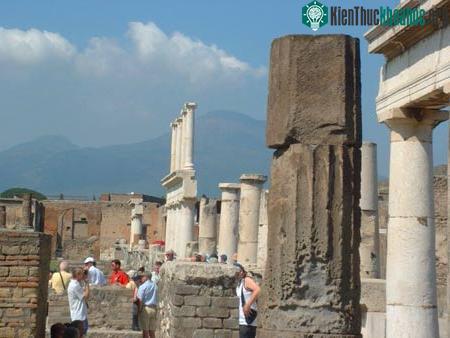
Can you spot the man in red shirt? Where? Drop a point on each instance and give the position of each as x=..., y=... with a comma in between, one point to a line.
x=117, y=277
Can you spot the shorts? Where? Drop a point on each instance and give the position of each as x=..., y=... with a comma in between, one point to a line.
x=147, y=319
x=247, y=331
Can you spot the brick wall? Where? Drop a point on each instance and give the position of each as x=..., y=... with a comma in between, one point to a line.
x=109, y=308
x=197, y=300
x=24, y=269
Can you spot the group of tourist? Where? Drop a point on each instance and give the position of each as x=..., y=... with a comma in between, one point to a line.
x=77, y=284
x=144, y=286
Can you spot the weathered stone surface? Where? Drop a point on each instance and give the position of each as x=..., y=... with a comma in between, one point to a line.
x=314, y=91
x=373, y=295
x=206, y=292
x=207, y=227
x=23, y=297
x=312, y=284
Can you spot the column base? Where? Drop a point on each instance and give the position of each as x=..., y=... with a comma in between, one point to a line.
x=269, y=333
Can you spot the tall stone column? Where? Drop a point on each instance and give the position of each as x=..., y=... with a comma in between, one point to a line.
x=369, y=249
x=27, y=221
x=188, y=114
x=251, y=187
x=262, y=232
x=169, y=221
x=411, y=306
x=136, y=230
x=229, y=219
x=2, y=216
x=312, y=284
x=184, y=229
x=173, y=147
x=207, y=227
x=179, y=145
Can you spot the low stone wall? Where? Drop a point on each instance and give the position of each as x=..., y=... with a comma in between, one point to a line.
x=109, y=308
x=24, y=269
x=197, y=300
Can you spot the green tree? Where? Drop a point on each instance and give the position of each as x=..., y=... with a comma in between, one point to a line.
x=12, y=192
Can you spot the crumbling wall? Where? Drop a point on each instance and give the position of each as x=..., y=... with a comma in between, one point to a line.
x=197, y=300
x=109, y=308
x=24, y=269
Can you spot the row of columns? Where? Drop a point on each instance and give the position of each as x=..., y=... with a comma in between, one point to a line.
x=182, y=142
x=239, y=223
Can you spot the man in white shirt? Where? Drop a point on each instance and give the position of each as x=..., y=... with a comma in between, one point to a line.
x=95, y=275
x=78, y=292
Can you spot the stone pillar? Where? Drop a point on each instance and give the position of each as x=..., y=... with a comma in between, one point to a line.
x=136, y=224
x=2, y=216
x=411, y=305
x=27, y=221
x=185, y=226
x=173, y=147
x=169, y=221
x=188, y=136
x=251, y=187
x=369, y=249
x=179, y=145
x=262, y=232
x=312, y=284
x=207, y=227
x=229, y=219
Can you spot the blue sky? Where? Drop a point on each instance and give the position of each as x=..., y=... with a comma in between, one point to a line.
x=93, y=83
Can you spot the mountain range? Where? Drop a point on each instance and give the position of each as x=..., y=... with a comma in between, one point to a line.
x=227, y=144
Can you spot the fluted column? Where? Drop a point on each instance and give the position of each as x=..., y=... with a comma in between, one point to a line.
x=369, y=248
x=411, y=306
x=251, y=187
x=173, y=147
x=188, y=117
x=179, y=150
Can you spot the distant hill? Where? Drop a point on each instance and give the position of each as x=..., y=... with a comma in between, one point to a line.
x=227, y=144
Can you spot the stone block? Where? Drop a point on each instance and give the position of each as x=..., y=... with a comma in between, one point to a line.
x=212, y=323
x=4, y=271
x=10, y=250
x=177, y=300
x=314, y=91
x=228, y=302
x=188, y=322
x=206, y=311
x=184, y=311
x=5, y=292
x=183, y=289
x=197, y=300
x=231, y=323
x=203, y=333
x=373, y=295
x=222, y=333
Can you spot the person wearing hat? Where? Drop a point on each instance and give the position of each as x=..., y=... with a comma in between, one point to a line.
x=147, y=303
x=247, y=291
x=95, y=275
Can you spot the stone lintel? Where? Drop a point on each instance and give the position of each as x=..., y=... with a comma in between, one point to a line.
x=176, y=176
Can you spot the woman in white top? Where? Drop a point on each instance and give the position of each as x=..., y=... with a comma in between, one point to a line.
x=247, y=291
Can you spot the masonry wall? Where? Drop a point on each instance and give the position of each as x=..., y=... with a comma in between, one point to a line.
x=109, y=308
x=197, y=300
x=24, y=269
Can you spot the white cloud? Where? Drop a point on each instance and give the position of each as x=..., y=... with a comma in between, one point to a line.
x=33, y=46
x=115, y=91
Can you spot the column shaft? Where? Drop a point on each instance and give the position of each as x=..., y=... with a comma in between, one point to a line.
x=179, y=149
x=251, y=187
x=185, y=226
x=369, y=248
x=229, y=219
x=2, y=216
x=173, y=147
x=207, y=227
x=189, y=135
x=26, y=211
x=411, y=309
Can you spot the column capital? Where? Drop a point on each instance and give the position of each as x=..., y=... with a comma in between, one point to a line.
x=414, y=115
x=190, y=106
x=229, y=186
x=253, y=178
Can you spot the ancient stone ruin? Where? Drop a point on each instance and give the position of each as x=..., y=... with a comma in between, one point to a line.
x=312, y=284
